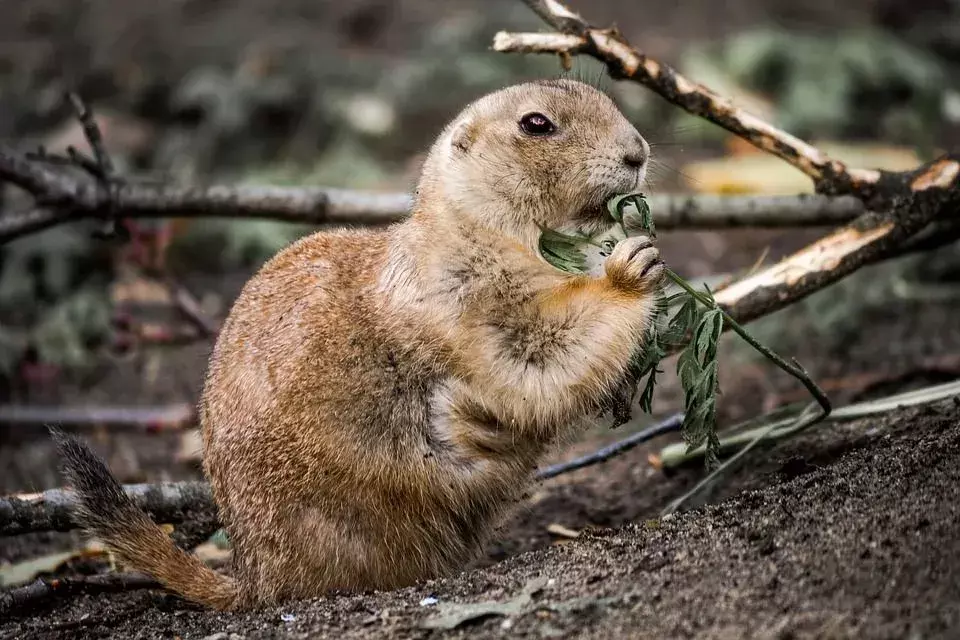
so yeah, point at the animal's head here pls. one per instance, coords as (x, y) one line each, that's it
(542, 153)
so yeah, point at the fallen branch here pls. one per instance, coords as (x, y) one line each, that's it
(52, 510)
(73, 201)
(148, 419)
(910, 202)
(42, 590)
(769, 212)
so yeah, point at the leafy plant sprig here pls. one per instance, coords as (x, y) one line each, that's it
(695, 329)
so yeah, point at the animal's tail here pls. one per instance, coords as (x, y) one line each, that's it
(108, 513)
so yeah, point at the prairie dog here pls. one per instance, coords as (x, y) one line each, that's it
(377, 400)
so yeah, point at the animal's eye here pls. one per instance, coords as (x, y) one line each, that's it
(537, 124)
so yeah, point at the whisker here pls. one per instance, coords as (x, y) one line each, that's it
(660, 170)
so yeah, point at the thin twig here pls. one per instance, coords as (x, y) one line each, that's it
(148, 419)
(617, 448)
(189, 308)
(794, 368)
(52, 510)
(101, 167)
(42, 590)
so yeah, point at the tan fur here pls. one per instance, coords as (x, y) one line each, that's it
(377, 399)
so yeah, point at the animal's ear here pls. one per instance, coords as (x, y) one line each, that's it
(464, 135)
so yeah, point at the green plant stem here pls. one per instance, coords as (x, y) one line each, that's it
(812, 414)
(793, 369)
(675, 455)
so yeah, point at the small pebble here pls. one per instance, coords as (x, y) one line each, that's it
(428, 601)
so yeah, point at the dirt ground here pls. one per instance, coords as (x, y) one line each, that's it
(849, 531)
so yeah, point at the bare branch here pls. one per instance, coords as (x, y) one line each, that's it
(670, 425)
(727, 212)
(299, 205)
(42, 590)
(557, 16)
(913, 200)
(101, 166)
(52, 510)
(148, 419)
(48, 187)
(307, 205)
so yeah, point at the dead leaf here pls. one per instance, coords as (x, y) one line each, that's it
(28, 570)
(562, 531)
(134, 289)
(211, 553)
(453, 615)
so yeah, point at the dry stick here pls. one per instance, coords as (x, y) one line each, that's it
(42, 589)
(51, 510)
(73, 200)
(320, 205)
(617, 448)
(101, 167)
(148, 419)
(189, 308)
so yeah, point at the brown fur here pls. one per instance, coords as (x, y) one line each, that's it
(377, 400)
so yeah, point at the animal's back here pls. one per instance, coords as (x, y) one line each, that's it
(317, 410)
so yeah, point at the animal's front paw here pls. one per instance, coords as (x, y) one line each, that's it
(635, 265)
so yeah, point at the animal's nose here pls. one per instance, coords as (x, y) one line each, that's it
(637, 155)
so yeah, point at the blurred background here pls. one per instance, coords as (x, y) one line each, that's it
(350, 94)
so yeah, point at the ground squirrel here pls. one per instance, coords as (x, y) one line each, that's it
(377, 400)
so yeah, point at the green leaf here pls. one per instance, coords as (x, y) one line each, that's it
(646, 397)
(708, 335)
(615, 207)
(688, 369)
(686, 318)
(563, 251)
(646, 216)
